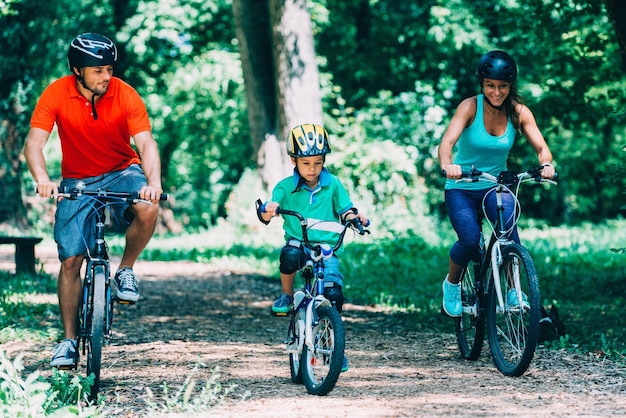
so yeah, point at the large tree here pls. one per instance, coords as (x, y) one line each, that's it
(281, 76)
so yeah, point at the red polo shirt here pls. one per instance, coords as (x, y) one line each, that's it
(92, 147)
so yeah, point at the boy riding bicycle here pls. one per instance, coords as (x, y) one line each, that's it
(315, 193)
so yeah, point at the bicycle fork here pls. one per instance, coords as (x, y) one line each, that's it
(496, 262)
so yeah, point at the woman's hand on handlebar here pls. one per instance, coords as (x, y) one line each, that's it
(452, 171)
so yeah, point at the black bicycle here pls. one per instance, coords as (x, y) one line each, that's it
(316, 336)
(95, 317)
(500, 285)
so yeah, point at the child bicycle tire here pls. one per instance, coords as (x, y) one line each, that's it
(295, 358)
(321, 367)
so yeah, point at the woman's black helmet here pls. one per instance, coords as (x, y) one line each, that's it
(496, 65)
(91, 50)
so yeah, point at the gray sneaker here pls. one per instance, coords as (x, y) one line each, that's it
(65, 354)
(126, 283)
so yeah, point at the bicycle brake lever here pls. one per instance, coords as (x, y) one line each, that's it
(260, 208)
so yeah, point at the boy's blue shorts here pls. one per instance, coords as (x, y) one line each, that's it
(75, 219)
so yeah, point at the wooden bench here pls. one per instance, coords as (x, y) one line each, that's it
(24, 252)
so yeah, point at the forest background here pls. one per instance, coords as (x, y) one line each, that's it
(225, 80)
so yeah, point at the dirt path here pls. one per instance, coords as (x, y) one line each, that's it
(192, 313)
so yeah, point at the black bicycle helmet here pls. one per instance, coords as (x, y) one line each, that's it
(308, 140)
(496, 65)
(91, 50)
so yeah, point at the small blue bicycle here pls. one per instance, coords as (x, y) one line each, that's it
(316, 336)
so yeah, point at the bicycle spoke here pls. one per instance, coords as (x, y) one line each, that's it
(322, 364)
(513, 331)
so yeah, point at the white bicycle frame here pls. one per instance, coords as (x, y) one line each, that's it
(502, 240)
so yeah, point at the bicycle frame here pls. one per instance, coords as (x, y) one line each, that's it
(487, 286)
(500, 234)
(97, 303)
(315, 335)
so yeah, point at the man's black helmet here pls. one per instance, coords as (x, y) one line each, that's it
(496, 65)
(91, 50)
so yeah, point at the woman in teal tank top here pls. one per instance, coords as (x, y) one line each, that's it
(483, 130)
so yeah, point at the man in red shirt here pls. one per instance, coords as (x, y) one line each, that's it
(96, 114)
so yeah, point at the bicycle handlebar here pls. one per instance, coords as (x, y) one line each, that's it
(505, 177)
(133, 197)
(354, 223)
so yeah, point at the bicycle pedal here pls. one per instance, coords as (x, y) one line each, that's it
(124, 302)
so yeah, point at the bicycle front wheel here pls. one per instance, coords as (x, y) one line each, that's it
(322, 365)
(96, 327)
(470, 327)
(514, 319)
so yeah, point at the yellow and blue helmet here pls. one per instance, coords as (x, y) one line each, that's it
(307, 140)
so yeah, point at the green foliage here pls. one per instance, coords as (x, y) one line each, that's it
(192, 82)
(34, 397)
(22, 313)
(188, 398)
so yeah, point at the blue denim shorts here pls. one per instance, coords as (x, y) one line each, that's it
(75, 219)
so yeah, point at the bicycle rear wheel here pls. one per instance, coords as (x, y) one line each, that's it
(513, 330)
(322, 365)
(95, 336)
(295, 355)
(470, 327)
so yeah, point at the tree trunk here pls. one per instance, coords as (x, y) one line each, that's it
(297, 76)
(12, 210)
(281, 77)
(617, 13)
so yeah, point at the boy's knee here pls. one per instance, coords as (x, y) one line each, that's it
(292, 259)
(334, 294)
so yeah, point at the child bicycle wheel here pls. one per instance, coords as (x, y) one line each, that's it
(322, 365)
(295, 353)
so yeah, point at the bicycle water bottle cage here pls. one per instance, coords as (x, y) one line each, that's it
(507, 178)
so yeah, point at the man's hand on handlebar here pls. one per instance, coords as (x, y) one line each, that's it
(47, 188)
(150, 193)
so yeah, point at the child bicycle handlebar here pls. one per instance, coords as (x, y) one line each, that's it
(354, 223)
